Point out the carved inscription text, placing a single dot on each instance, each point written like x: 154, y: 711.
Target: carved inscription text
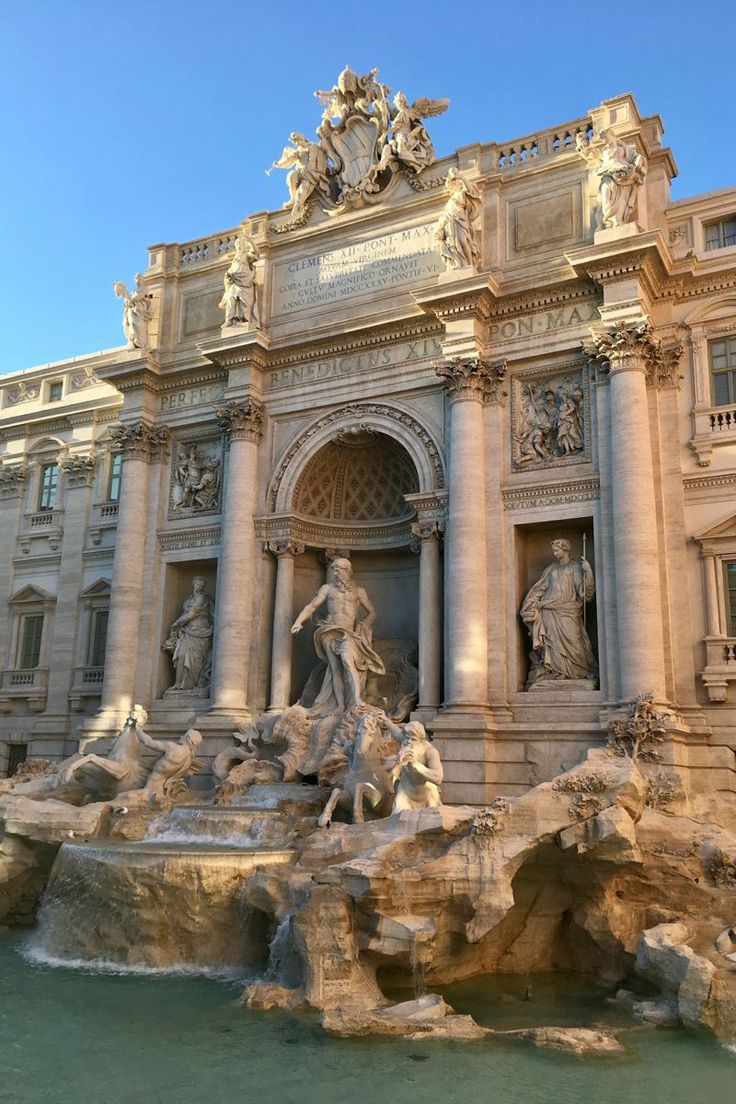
x: 365, y: 268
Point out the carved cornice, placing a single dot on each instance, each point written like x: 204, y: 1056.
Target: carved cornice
x: 300, y: 530
x: 473, y: 380
x: 139, y: 440
x: 241, y: 419
x: 476, y: 303
x: 625, y: 345
x: 534, y: 301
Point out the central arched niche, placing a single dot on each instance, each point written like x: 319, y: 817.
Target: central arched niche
x: 358, y: 476
x: 358, y: 479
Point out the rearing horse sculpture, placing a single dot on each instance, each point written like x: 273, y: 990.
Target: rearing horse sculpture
x: 367, y: 783
x: 122, y: 769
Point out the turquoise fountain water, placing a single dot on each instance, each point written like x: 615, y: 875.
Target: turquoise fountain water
x: 83, y: 1038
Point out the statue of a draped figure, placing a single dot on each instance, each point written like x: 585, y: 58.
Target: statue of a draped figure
x: 553, y: 612
x: 343, y: 640
x: 190, y: 641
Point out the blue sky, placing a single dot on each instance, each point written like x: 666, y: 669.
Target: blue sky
x: 127, y: 124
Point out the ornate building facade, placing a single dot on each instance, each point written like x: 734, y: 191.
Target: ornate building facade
x: 434, y: 368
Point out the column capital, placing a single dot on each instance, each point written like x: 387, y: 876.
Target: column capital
x: 12, y: 480
x: 241, y: 419
x: 626, y: 347
x: 428, y: 529
x: 139, y: 440
x: 79, y: 469
x: 286, y: 547
x: 473, y: 379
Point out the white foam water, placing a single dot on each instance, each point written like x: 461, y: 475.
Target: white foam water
x: 37, y: 955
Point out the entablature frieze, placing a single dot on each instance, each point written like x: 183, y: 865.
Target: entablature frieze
x: 170, y: 540
x: 276, y: 529
x: 539, y: 495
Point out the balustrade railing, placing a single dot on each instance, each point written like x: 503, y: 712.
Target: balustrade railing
x: 34, y: 678
x: 210, y: 250
x: 723, y: 419
x: 542, y: 144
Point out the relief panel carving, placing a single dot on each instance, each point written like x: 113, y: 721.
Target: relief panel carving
x: 196, y: 477
x: 550, y: 417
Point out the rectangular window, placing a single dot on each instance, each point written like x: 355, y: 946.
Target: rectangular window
x: 718, y: 235
x: 116, y: 468
x: 49, y: 486
x: 723, y: 370
x: 55, y: 391
x: 98, y: 638
x: 730, y: 569
x: 31, y: 631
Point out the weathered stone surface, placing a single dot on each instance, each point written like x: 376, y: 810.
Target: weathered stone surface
x: 23, y: 874
x: 49, y: 821
x: 582, y: 1041
x: 426, y: 1017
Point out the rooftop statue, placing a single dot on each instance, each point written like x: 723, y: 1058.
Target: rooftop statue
x: 239, y: 299
x: 621, y: 170
x: 456, y: 231
x: 137, y: 313
x: 363, y: 139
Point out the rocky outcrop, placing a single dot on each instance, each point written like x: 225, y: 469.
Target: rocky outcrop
x: 568, y: 876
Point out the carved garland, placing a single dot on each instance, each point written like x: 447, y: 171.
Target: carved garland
x: 359, y: 412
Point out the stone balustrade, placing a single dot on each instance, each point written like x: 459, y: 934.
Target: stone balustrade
x: 543, y: 144
x: 720, y: 668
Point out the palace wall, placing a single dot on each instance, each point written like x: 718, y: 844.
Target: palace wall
x: 251, y: 454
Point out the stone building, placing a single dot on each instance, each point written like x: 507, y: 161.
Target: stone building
x: 433, y: 382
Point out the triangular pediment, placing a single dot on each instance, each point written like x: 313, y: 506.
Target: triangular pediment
x: 31, y: 594
x: 725, y: 530
x: 98, y: 589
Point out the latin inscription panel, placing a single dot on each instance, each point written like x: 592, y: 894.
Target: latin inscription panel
x: 364, y: 268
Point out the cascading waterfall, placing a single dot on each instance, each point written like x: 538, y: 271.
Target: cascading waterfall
x: 173, y: 901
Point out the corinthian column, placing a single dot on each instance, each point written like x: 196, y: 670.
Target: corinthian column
x: 140, y: 444
x: 470, y: 383
x: 429, y: 533
x: 283, y: 613
x: 628, y: 355
x: 241, y: 421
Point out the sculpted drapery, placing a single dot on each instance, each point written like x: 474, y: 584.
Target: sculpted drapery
x: 553, y: 613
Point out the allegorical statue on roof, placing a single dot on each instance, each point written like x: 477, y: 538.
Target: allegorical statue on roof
x: 621, y: 170
x: 363, y: 139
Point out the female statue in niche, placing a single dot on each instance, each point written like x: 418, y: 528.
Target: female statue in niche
x: 553, y: 612
x: 190, y: 641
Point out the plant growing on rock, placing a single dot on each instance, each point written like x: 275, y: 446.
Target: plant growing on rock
x: 584, y: 788
x: 489, y: 820
x: 637, y: 735
x: 721, y: 869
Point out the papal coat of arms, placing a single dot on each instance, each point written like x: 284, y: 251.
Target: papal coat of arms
x: 363, y: 139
